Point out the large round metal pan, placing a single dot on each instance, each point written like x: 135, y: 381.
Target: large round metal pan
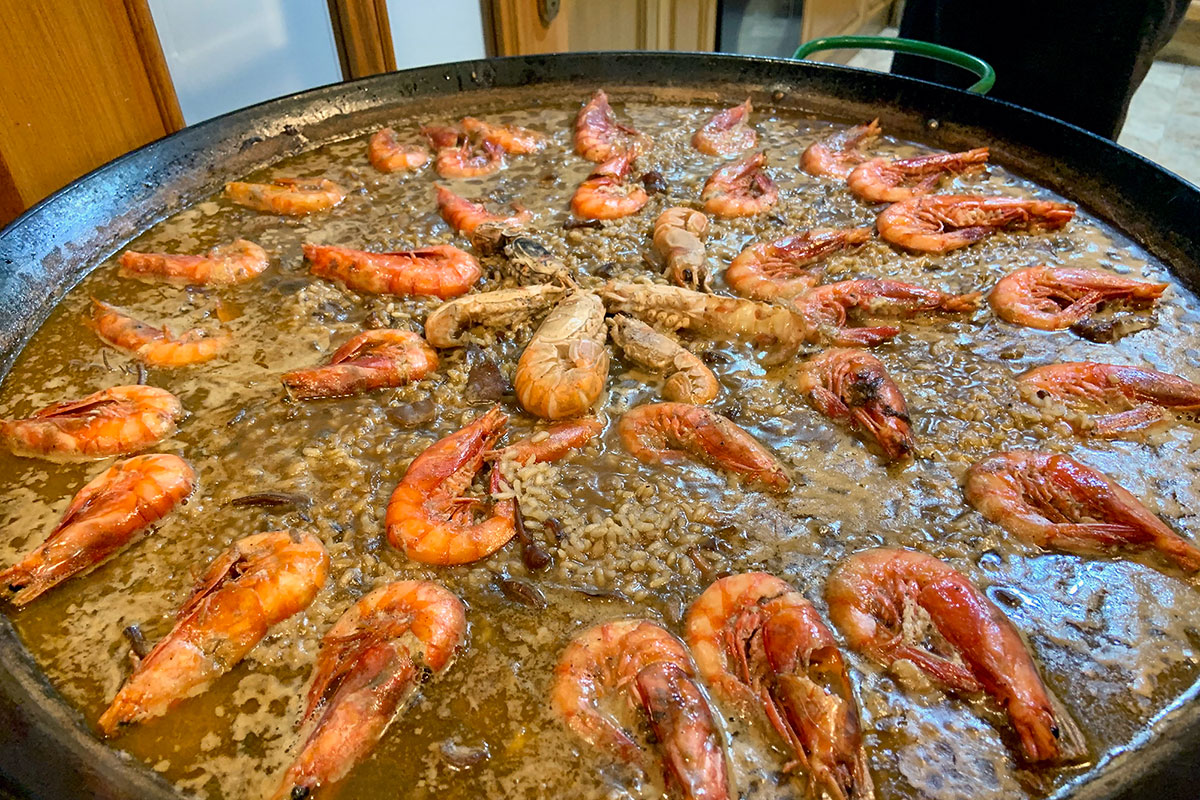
x: 46, y: 751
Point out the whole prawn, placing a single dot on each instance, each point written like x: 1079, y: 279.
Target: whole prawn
x: 728, y: 132
x: 759, y: 643
x: 938, y: 223
x: 651, y: 669
x: 261, y: 580
x: 686, y: 378
x: 152, y: 345
x: 664, y: 432
x: 373, y: 359
x: 111, y: 422
x: 598, y: 135
x: 826, y: 308
x: 551, y: 444
x: 103, y: 517
x: 465, y: 216
x: 385, y: 646
x: 439, y: 271
x: 835, y: 155
x: 881, y: 180
x: 854, y: 388
x: 1055, y: 298
x: 607, y: 193
x: 509, y: 138
x: 740, y: 189
x: 464, y: 162
x: 785, y: 267
x: 287, y: 196
x: 502, y: 309
x: 777, y: 329
x: 679, y: 239
x: 880, y: 599
x: 1055, y: 502
x: 1135, y: 398
x: 386, y: 154
x: 564, y: 367
x: 427, y: 517
x: 236, y: 262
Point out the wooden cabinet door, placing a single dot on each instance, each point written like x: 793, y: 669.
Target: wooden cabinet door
x: 608, y: 25
x: 80, y: 84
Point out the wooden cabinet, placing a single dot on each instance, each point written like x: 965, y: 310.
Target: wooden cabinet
x: 81, y: 84
x: 610, y: 25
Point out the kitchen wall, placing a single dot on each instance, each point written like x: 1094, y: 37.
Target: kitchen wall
x: 226, y: 54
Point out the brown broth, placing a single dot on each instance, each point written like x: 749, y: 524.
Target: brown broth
x: 1115, y: 639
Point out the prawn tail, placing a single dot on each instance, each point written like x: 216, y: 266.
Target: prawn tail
x: 962, y: 302
x: 1072, y: 745
x: 864, y: 337
x: 1135, y: 419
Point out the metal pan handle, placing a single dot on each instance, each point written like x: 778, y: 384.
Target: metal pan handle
x: 982, y: 69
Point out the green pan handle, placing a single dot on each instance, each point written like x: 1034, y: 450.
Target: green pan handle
x: 912, y: 47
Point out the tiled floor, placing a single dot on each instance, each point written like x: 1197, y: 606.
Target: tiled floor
x: 1164, y: 117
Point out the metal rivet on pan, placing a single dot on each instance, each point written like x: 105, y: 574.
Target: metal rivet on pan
x: 932, y: 124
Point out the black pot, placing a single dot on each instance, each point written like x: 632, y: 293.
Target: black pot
x: 46, y: 751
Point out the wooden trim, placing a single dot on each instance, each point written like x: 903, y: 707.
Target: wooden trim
x: 491, y: 36
x: 11, y: 203
x: 363, y: 35
x: 520, y: 32
x: 150, y: 48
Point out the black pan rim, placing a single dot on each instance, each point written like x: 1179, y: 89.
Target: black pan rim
x: 50, y: 752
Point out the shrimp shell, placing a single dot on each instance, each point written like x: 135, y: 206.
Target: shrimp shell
x: 784, y: 267
x: 386, y: 154
x: 882, y: 181
x: 687, y: 379
x: 836, y: 154
x: 853, y: 387
x: 658, y: 432
x: 152, y: 345
x: 778, y: 329
x: 502, y: 309
x: 1143, y: 393
x: 875, y: 597
x: 649, y: 666
x: 943, y: 222
x: 236, y: 262
x: 1055, y: 298
x: 111, y: 422
x: 1053, y: 501
x: 679, y: 238
x: 378, y: 652
x: 727, y: 132
x: 740, y: 189
x: 258, y: 582
x: 564, y: 367
x: 103, y: 518
x: 286, y: 196
x: 426, y: 517
x: 373, y: 359
x: 761, y: 644
x: 440, y: 271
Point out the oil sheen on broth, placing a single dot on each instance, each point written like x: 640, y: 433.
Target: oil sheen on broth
x: 1115, y: 639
